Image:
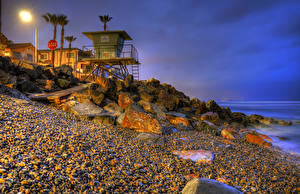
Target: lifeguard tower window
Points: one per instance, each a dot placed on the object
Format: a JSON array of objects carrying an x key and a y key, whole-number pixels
[{"x": 104, "y": 38}]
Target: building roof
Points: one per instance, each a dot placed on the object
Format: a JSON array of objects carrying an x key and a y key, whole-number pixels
[
  {"x": 122, "y": 32},
  {"x": 20, "y": 45},
  {"x": 57, "y": 49}
]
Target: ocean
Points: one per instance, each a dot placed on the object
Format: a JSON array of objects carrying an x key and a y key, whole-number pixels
[{"x": 285, "y": 137}]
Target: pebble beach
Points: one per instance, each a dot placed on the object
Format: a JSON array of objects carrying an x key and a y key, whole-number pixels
[{"x": 43, "y": 149}]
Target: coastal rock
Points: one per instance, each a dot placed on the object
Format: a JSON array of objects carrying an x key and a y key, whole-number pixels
[
  {"x": 27, "y": 86},
  {"x": 195, "y": 102},
  {"x": 153, "y": 82},
  {"x": 105, "y": 118},
  {"x": 213, "y": 107},
  {"x": 113, "y": 108},
  {"x": 82, "y": 96},
  {"x": 208, "y": 186},
  {"x": 4, "y": 77},
  {"x": 207, "y": 127},
  {"x": 201, "y": 108},
  {"x": 150, "y": 138},
  {"x": 147, "y": 106},
  {"x": 146, "y": 97},
  {"x": 86, "y": 109},
  {"x": 97, "y": 97},
  {"x": 211, "y": 117},
  {"x": 256, "y": 139},
  {"x": 228, "y": 133},
  {"x": 201, "y": 156},
  {"x": 240, "y": 118},
  {"x": 124, "y": 100},
  {"x": 135, "y": 118},
  {"x": 12, "y": 92},
  {"x": 178, "y": 120},
  {"x": 63, "y": 83},
  {"x": 170, "y": 102}
]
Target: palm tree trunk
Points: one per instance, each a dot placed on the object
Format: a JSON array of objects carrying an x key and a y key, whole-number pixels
[
  {"x": 61, "y": 44},
  {"x": 53, "y": 51},
  {"x": 69, "y": 52},
  {"x": 104, "y": 26}
]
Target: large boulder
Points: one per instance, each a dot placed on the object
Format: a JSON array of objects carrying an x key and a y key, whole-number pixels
[
  {"x": 255, "y": 138},
  {"x": 211, "y": 117},
  {"x": 170, "y": 102},
  {"x": 207, "y": 127},
  {"x": 201, "y": 108},
  {"x": 212, "y": 106},
  {"x": 63, "y": 83},
  {"x": 113, "y": 108},
  {"x": 12, "y": 92},
  {"x": 4, "y": 77},
  {"x": 228, "y": 133},
  {"x": 146, "y": 97},
  {"x": 27, "y": 86},
  {"x": 239, "y": 117},
  {"x": 208, "y": 186},
  {"x": 124, "y": 100},
  {"x": 87, "y": 109},
  {"x": 135, "y": 118},
  {"x": 178, "y": 120},
  {"x": 195, "y": 102},
  {"x": 105, "y": 118}
]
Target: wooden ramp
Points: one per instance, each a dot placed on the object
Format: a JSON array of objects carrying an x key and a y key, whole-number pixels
[{"x": 56, "y": 97}]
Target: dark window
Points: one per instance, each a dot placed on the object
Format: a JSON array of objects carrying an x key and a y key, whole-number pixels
[
  {"x": 29, "y": 57},
  {"x": 70, "y": 55}
]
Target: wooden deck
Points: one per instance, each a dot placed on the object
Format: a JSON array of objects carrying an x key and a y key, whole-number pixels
[
  {"x": 56, "y": 97},
  {"x": 113, "y": 61}
]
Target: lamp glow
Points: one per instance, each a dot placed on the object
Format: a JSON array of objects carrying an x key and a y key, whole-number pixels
[{"x": 25, "y": 16}]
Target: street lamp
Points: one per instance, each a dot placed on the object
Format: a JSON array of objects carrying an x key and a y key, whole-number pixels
[{"x": 27, "y": 17}]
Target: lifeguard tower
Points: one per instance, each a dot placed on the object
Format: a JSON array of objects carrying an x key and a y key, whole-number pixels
[{"x": 112, "y": 55}]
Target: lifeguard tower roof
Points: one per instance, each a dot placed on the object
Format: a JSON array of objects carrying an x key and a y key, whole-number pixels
[{"x": 90, "y": 35}]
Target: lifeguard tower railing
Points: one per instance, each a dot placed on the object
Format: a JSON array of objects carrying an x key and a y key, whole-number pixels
[
  {"x": 112, "y": 51},
  {"x": 114, "y": 59}
]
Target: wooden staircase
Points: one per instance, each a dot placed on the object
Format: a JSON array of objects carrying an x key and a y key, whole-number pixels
[{"x": 135, "y": 70}]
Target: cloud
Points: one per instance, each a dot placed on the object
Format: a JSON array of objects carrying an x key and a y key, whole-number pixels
[
  {"x": 237, "y": 9},
  {"x": 289, "y": 27}
]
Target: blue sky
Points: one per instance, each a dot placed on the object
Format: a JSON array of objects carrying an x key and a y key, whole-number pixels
[{"x": 212, "y": 49}]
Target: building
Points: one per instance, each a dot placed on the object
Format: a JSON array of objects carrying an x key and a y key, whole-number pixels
[
  {"x": 4, "y": 51},
  {"x": 69, "y": 56},
  {"x": 72, "y": 57},
  {"x": 21, "y": 51}
]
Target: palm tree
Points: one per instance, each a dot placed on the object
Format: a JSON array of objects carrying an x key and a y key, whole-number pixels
[
  {"x": 52, "y": 19},
  {"x": 105, "y": 19},
  {"x": 70, "y": 39},
  {"x": 62, "y": 21}
]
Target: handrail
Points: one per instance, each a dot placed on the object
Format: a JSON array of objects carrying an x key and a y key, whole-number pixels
[{"x": 112, "y": 51}]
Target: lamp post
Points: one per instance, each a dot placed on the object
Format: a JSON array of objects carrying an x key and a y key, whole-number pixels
[{"x": 27, "y": 17}]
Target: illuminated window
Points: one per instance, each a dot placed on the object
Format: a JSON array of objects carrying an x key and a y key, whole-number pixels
[{"x": 44, "y": 56}]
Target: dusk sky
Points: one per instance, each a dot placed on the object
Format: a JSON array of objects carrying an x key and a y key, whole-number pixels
[{"x": 210, "y": 49}]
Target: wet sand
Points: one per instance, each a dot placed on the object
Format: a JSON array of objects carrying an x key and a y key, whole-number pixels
[{"x": 43, "y": 149}]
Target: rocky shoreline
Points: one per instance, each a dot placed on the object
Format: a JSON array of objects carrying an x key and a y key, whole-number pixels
[
  {"x": 44, "y": 149},
  {"x": 124, "y": 136}
]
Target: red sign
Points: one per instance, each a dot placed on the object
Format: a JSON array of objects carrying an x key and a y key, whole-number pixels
[{"x": 52, "y": 44}]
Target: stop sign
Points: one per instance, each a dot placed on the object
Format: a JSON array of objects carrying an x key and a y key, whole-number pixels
[{"x": 52, "y": 44}]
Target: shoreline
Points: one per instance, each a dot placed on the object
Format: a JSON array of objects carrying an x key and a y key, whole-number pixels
[{"x": 151, "y": 167}]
